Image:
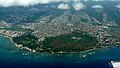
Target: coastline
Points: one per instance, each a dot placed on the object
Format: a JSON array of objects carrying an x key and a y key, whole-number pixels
[
  {"x": 26, "y": 48},
  {"x": 11, "y": 40},
  {"x": 19, "y": 46}
]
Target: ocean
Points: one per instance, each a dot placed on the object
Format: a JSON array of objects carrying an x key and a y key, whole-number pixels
[{"x": 13, "y": 57}]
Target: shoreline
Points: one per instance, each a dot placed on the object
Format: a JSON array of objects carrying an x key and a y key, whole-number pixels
[
  {"x": 18, "y": 46},
  {"x": 26, "y": 48}
]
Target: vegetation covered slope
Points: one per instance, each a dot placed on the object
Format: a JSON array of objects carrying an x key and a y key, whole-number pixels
[{"x": 74, "y": 42}]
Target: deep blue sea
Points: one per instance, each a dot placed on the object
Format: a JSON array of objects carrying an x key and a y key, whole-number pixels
[{"x": 13, "y": 57}]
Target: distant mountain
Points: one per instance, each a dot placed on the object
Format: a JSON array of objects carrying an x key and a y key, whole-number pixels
[{"x": 19, "y": 14}]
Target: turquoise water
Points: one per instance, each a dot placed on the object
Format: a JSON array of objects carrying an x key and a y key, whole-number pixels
[{"x": 13, "y": 57}]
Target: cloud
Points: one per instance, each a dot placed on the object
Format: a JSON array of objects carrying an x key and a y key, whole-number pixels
[
  {"x": 76, "y": 3},
  {"x": 118, "y": 6},
  {"x": 7, "y": 3},
  {"x": 98, "y": 0},
  {"x": 64, "y": 6},
  {"x": 97, "y": 7},
  {"x": 78, "y": 6}
]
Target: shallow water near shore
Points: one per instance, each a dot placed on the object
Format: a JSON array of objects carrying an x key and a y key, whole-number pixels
[{"x": 13, "y": 57}]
